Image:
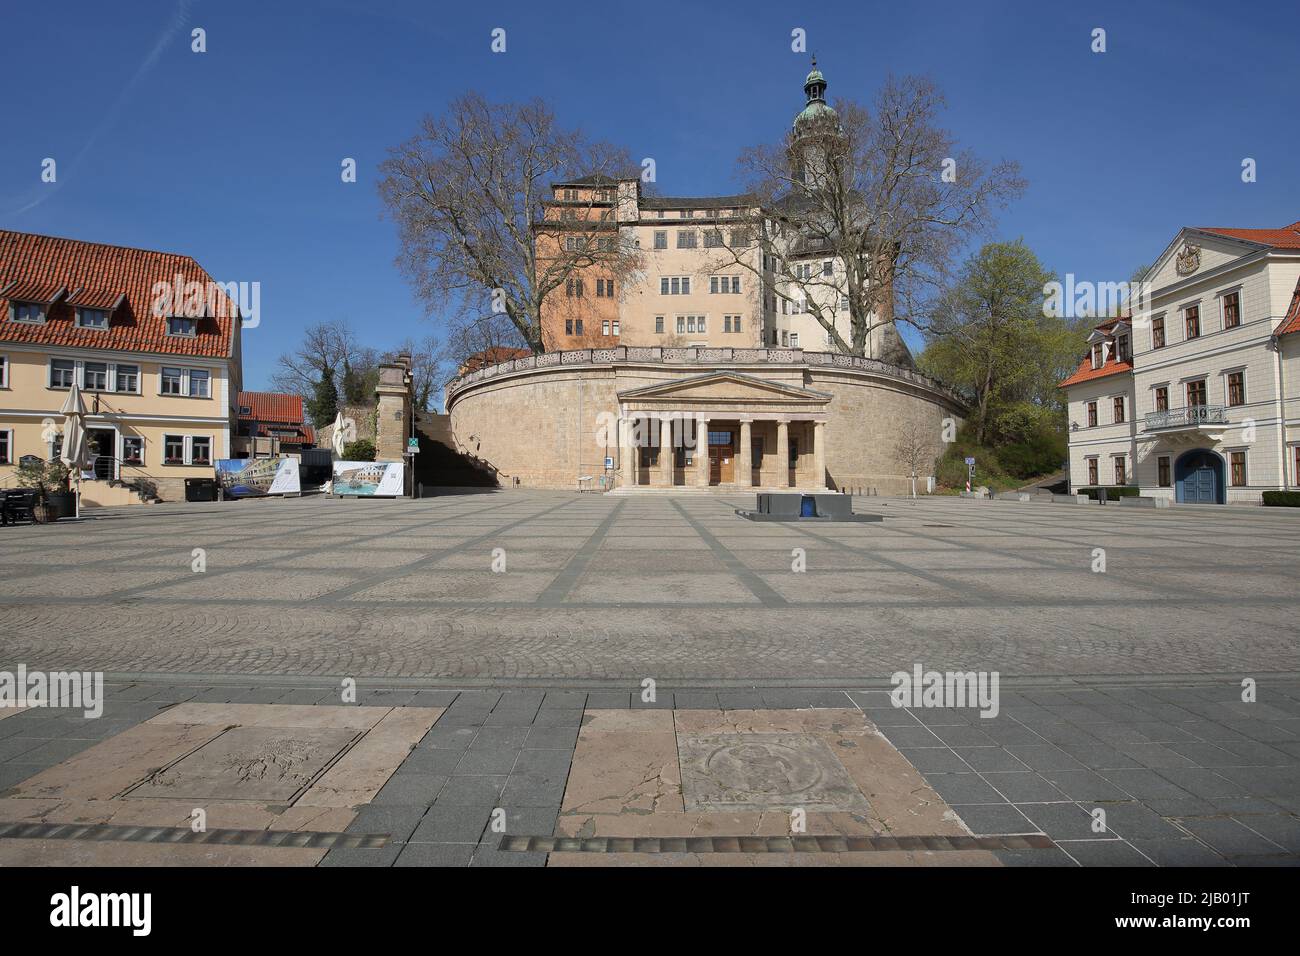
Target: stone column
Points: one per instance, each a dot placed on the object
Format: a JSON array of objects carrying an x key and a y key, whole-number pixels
[
  {"x": 625, "y": 451},
  {"x": 744, "y": 464},
  {"x": 819, "y": 455},
  {"x": 702, "y": 452},
  {"x": 782, "y": 453},
  {"x": 666, "y": 452}
]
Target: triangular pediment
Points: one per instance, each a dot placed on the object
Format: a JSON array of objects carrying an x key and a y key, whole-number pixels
[
  {"x": 725, "y": 387},
  {"x": 1193, "y": 252}
]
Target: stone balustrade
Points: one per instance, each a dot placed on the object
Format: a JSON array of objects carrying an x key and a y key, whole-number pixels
[{"x": 696, "y": 355}]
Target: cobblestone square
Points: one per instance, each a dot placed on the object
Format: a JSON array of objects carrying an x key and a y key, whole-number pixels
[{"x": 1121, "y": 689}]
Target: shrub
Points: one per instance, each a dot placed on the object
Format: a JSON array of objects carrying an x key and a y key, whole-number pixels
[
  {"x": 44, "y": 477},
  {"x": 1112, "y": 491},
  {"x": 363, "y": 449},
  {"x": 1282, "y": 499}
]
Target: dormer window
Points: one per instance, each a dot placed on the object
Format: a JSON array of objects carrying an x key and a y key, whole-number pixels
[
  {"x": 1121, "y": 347},
  {"x": 1096, "y": 356},
  {"x": 32, "y": 313},
  {"x": 92, "y": 319},
  {"x": 181, "y": 325}
]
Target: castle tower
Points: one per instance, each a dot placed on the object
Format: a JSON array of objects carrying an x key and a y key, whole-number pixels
[{"x": 816, "y": 130}]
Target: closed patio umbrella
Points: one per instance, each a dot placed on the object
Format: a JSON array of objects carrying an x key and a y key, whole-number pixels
[
  {"x": 74, "y": 437},
  {"x": 336, "y": 436}
]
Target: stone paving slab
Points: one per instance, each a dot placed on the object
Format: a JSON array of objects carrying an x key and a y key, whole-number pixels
[{"x": 1053, "y": 758}]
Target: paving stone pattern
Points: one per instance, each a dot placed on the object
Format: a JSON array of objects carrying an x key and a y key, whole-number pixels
[{"x": 599, "y": 588}]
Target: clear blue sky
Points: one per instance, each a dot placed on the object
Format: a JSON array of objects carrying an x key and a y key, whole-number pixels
[{"x": 233, "y": 156}]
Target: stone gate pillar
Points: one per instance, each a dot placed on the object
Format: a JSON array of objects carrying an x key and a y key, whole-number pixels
[{"x": 393, "y": 400}]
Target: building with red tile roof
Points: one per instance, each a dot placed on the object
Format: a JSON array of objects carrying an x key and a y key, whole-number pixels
[
  {"x": 271, "y": 423},
  {"x": 1195, "y": 396},
  {"x": 150, "y": 339}
]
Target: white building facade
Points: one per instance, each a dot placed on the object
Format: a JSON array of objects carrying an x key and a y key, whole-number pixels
[{"x": 1195, "y": 397}]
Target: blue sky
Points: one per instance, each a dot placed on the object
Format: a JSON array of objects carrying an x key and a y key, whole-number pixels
[{"x": 233, "y": 155}]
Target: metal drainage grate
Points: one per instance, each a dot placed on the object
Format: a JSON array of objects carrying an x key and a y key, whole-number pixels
[
  {"x": 315, "y": 839},
  {"x": 773, "y": 844}
]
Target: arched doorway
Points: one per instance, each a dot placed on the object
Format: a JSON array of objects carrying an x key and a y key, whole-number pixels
[{"x": 1198, "y": 478}]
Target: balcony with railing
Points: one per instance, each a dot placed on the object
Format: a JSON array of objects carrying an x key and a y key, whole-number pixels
[{"x": 1193, "y": 421}]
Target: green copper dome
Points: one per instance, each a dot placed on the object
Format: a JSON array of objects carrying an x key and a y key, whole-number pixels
[{"x": 816, "y": 112}]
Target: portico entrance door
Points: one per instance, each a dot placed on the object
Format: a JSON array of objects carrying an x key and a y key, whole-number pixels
[{"x": 722, "y": 458}]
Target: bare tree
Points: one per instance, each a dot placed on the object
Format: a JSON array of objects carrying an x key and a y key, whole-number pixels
[
  {"x": 425, "y": 357},
  {"x": 324, "y": 345},
  {"x": 478, "y": 224},
  {"x": 473, "y": 336},
  {"x": 886, "y": 196},
  {"x": 916, "y": 449}
]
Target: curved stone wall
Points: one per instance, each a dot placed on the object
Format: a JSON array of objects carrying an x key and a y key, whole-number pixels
[{"x": 548, "y": 419}]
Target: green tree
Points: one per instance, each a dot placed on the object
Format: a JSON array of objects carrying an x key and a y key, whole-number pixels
[
  {"x": 323, "y": 406},
  {"x": 991, "y": 340}
]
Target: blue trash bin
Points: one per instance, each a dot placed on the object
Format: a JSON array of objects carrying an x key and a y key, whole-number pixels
[{"x": 808, "y": 507}]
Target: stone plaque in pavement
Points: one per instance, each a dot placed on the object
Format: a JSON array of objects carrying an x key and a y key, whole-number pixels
[
  {"x": 764, "y": 772},
  {"x": 268, "y": 764}
]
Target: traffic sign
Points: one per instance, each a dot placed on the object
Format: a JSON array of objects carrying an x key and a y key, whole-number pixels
[
  {"x": 412, "y": 446},
  {"x": 970, "y": 461}
]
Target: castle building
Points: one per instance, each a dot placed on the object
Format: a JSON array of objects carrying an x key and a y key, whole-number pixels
[
  {"x": 720, "y": 271},
  {"x": 682, "y": 350}
]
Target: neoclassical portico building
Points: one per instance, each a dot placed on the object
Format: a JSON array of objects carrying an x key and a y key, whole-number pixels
[
  {"x": 638, "y": 417},
  {"x": 747, "y": 419}
]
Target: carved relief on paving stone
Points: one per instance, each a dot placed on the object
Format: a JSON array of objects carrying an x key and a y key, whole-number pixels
[
  {"x": 250, "y": 763},
  {"x": 765, "y": 772}
]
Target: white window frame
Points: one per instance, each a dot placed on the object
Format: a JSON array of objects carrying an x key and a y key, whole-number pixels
[
  {"x": 49, "y": 373},
  {"x": 4, "y": 370},
  {"x": 189, "y": 450},
  {"x": 108, "y": 375},
  {"x": 189, "y": 382},
  {"x": 8, "y": 434},
  {"x": 115, "y": 371},
  {"x": 122, "y": 440}
]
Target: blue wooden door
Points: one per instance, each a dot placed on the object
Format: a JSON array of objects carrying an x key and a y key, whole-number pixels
[{"x": 1200, "y": 486}]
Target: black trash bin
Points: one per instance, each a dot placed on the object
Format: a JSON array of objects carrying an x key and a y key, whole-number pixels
[{"x": 200, "y": 489}]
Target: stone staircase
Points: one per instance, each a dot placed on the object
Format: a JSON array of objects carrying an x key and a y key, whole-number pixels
[{"x": 441, "y": 463}]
